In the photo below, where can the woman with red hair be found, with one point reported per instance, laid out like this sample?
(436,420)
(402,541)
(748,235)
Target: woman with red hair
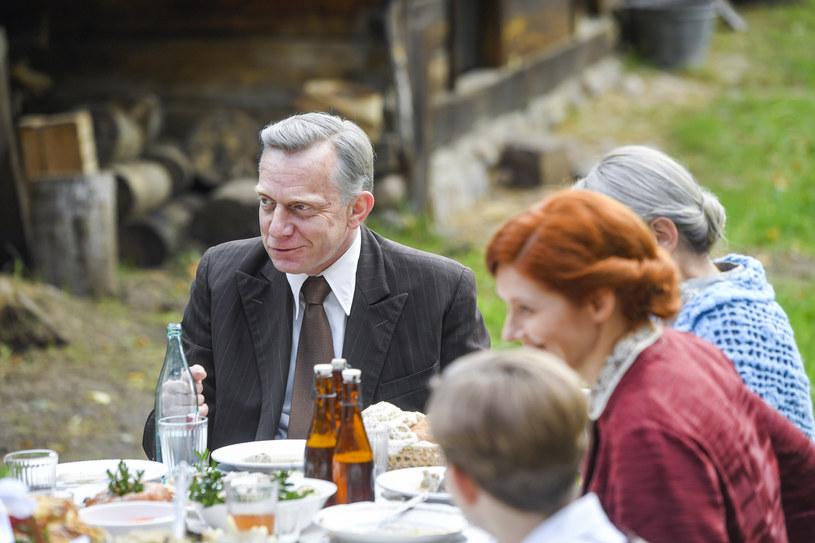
(681,450)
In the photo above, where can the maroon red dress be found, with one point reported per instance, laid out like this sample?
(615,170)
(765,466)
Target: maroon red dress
(683,452)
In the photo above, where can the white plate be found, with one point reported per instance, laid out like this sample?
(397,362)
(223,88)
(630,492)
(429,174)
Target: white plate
(357,523)
(282,454)
(88,478)
(88,472)
(406,482)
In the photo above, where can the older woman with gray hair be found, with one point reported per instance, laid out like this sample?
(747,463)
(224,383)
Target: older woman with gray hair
(727,301)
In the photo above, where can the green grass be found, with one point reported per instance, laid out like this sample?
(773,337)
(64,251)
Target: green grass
(753,145)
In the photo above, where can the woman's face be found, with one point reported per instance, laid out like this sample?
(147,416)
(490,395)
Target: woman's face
(543,319)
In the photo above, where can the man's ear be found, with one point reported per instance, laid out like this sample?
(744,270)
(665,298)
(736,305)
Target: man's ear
(665,233)
(468,489)
(360,208)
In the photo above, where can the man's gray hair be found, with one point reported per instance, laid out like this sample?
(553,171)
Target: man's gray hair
(355,155)
(654,185)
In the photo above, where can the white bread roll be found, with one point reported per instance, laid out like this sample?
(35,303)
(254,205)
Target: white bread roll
(408,444)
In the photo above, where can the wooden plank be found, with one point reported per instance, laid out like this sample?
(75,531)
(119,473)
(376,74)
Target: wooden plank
(253,72)
(223,18)
(524,28)
(60,145)
(15,229)
(511,89)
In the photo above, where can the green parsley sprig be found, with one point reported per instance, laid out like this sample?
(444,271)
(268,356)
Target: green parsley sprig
(283,484)
(207,486)
(123,482)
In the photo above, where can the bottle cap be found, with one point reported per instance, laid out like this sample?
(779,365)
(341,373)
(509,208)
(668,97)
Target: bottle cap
(351,375)
(339,363)
(322,370)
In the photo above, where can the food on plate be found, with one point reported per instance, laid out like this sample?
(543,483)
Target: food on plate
(409,440)
(259,458)
(123,485)
(432,482)
(56,520)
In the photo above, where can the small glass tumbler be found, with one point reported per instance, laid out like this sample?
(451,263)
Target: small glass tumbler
(35,467)
(288,522)
(181,437)
(378,435)
(251,502)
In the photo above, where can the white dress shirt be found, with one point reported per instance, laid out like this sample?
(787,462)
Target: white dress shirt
(342,278)
(582,521)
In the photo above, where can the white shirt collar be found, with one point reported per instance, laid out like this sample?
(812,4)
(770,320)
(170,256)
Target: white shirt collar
(341,277)
(583,520)
(625,352)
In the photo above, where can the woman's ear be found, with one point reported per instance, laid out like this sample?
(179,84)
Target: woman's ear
(467,488)
(601,304)
(665,233)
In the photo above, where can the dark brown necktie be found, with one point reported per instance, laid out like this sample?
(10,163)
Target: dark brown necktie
(315,347)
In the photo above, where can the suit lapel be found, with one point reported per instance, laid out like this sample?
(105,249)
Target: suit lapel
(374,315)
(263,295)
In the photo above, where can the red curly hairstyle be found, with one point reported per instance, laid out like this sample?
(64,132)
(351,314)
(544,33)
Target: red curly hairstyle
(577,242)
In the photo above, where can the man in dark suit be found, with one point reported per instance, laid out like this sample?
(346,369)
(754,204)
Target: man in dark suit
(396,313)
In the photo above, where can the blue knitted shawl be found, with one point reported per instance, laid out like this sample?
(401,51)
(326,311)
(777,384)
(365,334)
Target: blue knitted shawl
(738,313)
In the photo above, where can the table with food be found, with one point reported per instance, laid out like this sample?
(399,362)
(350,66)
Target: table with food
(141,501)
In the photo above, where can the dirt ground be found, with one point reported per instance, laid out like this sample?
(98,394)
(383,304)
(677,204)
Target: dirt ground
(89,398)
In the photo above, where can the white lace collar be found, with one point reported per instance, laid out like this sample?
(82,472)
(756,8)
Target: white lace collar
(627,349)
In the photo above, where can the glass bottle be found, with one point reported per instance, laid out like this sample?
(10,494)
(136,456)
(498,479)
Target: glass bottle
(353,458)
(322,436)
(337,365)
(175,390)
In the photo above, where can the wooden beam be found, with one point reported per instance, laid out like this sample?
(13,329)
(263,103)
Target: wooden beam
(15,229)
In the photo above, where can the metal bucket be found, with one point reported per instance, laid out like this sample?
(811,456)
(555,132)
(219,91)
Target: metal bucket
(671,34)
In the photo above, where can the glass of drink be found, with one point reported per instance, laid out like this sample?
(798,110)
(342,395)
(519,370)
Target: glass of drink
(35,467)
(251,502)
(181,437)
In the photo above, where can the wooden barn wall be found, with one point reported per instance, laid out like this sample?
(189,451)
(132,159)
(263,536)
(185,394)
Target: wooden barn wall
(199,56)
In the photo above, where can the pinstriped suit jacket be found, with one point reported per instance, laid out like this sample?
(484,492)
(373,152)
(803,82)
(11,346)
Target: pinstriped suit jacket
(412,313)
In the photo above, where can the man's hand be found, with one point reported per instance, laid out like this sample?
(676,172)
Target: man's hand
(198,375)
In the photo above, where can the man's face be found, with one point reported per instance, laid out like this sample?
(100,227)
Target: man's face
(303,223)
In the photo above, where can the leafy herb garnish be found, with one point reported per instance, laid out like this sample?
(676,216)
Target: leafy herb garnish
(283,493)
(122,482)
(207,486)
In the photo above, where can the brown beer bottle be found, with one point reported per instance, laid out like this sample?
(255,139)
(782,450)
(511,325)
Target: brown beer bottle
(353,458)
(337,365)
(322,436)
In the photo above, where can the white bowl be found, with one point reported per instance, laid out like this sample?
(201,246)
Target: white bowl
(120,518)
(305,508)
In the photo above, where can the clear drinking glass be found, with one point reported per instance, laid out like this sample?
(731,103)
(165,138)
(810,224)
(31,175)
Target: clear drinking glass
(288,523)
(379,435)
(251,502)
(35,467)
(181,437)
